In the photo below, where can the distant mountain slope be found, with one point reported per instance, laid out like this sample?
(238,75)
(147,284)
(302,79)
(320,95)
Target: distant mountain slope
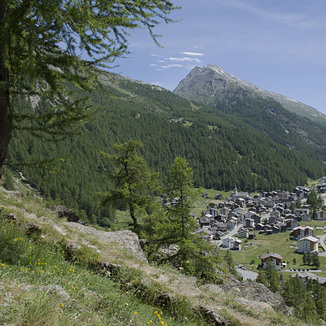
(222,150)
(212,83)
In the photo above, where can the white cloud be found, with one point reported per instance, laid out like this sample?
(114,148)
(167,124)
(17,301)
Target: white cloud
(192,53)
(175,65)
(183,59)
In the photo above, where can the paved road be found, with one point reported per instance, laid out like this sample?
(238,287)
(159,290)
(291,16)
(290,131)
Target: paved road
(229,234)
(247,274)
(322,240)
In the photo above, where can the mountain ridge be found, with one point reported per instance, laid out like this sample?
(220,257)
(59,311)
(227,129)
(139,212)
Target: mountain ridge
(188,88)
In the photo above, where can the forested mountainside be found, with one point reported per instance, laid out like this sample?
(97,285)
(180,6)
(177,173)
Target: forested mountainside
(221,150)
(287,122)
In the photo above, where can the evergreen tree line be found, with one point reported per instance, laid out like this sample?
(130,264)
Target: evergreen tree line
(221,150)
(307,300)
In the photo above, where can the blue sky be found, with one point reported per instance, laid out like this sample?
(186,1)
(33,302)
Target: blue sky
(278,45)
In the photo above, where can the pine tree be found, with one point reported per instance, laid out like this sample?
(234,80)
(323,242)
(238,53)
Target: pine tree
(132,181)
(174,225)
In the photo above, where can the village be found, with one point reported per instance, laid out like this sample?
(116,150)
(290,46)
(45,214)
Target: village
(239,218)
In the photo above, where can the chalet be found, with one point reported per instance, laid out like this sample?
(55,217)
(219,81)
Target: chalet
(259,227)
(220,218)
(238,216)
(237,244)
(232,243)
(257,218)
(308,244)
(283,227)
(225,211)
(272,219)
(302,232)
(302,192)
(321,215)
(271,258)
(306,217)
(228,242)
(240,202)
(301,211)
(243,233)
(250,213)
(287,203)
(205,220)
(291,223)
(322,181)
(231,223)
(212,209)
(222,227)
(249,223)
(276,229)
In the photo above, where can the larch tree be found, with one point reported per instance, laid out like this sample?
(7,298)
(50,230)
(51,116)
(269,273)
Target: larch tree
(132,183)
(42,44)
(174,225)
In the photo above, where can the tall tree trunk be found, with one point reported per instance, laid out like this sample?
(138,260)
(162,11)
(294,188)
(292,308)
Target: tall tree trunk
(5,112)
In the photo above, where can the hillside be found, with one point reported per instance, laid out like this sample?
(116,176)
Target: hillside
(211,84)
(272,115)
(222,150)
(55,272)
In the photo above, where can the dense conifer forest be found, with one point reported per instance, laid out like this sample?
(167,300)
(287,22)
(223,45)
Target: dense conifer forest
(222,151)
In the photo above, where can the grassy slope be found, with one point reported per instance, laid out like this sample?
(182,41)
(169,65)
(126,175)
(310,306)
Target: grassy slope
(94,299)
(281,244)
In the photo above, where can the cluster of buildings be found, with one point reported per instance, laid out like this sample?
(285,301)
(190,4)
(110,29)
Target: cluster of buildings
(268,212)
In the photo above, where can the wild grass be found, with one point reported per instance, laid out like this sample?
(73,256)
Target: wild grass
(280,243)
(27,266)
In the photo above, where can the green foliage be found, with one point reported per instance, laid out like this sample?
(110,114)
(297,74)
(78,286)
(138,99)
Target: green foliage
(43,50)
(308,301)
(222,151)
(8,181)
(270,278)
(173,225)
(133,183)
(230,263)
(315,202)
(41,264)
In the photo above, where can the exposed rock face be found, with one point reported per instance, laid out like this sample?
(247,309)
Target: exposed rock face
(66,212)
(125,239)
(209,83)
(212,316)
(256,295)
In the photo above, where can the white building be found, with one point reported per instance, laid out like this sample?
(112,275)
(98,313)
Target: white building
(308,244)
(228,242)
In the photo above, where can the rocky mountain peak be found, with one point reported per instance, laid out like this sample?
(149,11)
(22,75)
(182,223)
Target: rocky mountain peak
(211,84)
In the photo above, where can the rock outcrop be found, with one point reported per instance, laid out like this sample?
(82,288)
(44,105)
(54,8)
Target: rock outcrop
(256,295)
(125,239)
